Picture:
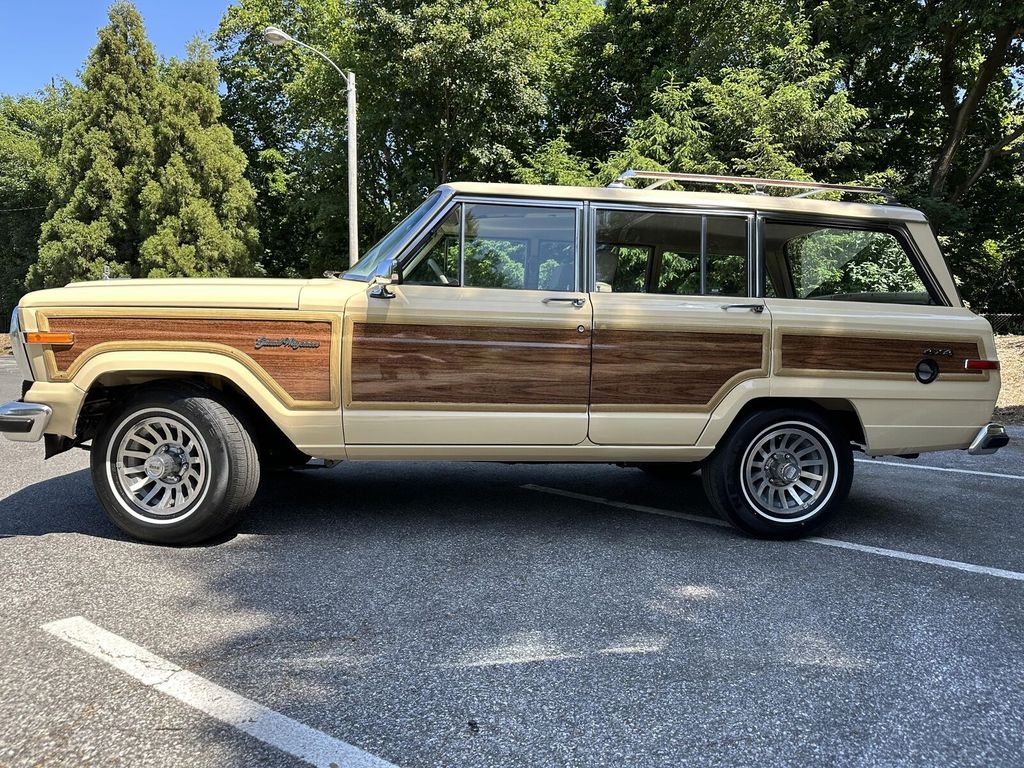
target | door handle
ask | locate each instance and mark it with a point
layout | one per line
(759, 308)
(576, 301)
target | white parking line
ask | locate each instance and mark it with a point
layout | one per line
(270, 727)
(894, 553)
(931, 468)
(899, 555)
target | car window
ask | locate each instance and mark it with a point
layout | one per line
(726, 256)
(383, 252)
(639, 251)
(805, 261)
(437, 259)
(499, 246)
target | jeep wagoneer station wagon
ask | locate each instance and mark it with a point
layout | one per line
(760, 338)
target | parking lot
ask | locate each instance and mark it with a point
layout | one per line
(489, 615)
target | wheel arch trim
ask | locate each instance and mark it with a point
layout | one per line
(317, 429)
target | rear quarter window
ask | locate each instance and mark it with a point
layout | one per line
(840, 263)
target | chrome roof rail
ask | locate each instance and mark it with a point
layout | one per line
(808, 187)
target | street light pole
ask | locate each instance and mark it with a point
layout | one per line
(276, 36)
(353, 215)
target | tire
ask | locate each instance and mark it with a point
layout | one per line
(780, 474)
(669, 470)
(174, 466)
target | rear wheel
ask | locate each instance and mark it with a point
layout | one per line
(174, 466)
(780, 474)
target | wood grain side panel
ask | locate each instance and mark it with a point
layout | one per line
(671, 368)
(873, 355)
(451, 364)
(304, 373)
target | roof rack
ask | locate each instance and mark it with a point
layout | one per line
(809, 187)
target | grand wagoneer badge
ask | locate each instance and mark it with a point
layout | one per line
(290, 342)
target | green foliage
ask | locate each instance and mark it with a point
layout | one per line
(941, 83)
(196, 212)
(922, 96)
(106, 158)
(148, 183)
(555, 163)
(492, 263)
(783, 120)
(30, 133)
(448, 90)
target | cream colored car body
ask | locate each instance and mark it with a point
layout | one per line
(896, 413)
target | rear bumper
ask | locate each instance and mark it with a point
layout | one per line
(989, 439)
(24, 422)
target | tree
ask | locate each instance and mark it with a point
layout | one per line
(628, 53)
(196, 213)
(783, 120)
(147, 182)
(30, 133)
(105, 160)
(937, 77)
(287, 115)
(447, 90)
(940, 80)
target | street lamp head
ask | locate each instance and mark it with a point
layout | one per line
(276, 36)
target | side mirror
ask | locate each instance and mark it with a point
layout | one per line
(380, 283)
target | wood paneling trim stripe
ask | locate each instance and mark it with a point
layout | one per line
(307, 376)
(476, 367)
(677, 370)
(870, 356)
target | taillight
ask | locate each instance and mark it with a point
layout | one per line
(981, 365)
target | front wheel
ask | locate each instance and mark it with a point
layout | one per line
(780, 474)
(174, 466)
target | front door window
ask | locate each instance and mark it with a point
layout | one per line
(490, 245)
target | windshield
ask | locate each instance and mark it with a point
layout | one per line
(375, 259)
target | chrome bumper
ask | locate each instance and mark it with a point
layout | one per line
(989, 439)
(24, 422)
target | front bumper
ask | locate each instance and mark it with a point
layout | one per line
(989, 439)
(24, 422)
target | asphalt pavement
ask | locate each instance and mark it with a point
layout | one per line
(487, 615)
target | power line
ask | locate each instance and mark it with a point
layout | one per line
(27, 208)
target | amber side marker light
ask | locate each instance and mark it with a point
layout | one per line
(47, 337)
(981, 365)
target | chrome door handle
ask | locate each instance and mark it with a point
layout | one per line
(574, 300)
(759, 308)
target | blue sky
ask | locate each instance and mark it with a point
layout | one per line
(46, 39)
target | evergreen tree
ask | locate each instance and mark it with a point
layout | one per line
(196, 213)
(784, 119)
(148, 182)
(30, 134)
(105, 160)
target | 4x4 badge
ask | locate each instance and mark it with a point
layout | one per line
(938, 352)
(289, 341)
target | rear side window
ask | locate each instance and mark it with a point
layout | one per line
(639, 251)
(807, 261)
